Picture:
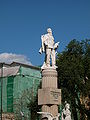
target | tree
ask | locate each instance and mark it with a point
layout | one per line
(21, 110)
(73, 69)
(26, 107)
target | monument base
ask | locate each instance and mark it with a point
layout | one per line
(53, 109)
(49, 96)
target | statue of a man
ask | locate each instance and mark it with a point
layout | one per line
(49, 47)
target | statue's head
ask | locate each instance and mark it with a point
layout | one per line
(49, 30)
(67, 105)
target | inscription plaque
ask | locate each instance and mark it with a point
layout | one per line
(49, 96)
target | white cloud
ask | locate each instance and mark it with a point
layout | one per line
(9, 58)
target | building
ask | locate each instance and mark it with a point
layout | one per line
(17, 78)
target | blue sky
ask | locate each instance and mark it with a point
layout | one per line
(22, 22)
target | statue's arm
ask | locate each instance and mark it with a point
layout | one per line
(42, 49)
(43, 41)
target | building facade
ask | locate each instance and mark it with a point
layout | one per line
(18, 81)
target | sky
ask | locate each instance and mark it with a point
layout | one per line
(22, 22)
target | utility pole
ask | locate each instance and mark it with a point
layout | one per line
(1, 86)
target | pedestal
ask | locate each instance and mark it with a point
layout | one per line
(49, 96)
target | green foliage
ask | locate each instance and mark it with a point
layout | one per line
(28, 105)
(34, 107)
(20, 105)
(74, 75)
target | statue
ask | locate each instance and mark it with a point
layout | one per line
(49, 47)
(49, 116)
(66, 114)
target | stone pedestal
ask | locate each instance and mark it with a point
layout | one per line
(49, 96)
(49, 78)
